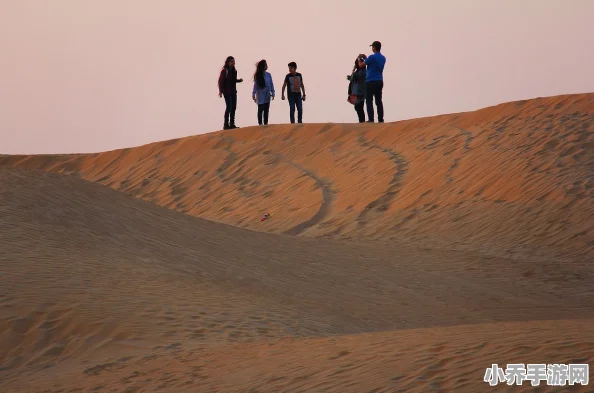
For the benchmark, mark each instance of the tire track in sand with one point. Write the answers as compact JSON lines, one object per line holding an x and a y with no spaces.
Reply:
{"x":325,"y":185}
{"x":327,"y":197}
{"x":378,"y":206}
{"x":468,"y":140}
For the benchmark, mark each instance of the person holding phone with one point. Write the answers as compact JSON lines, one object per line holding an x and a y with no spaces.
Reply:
{"x":375,"y":82}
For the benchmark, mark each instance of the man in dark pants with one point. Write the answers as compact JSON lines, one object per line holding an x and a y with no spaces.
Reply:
{"x":375,"y":82}
{"x":230,"y":108}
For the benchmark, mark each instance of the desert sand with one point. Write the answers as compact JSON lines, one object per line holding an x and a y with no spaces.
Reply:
{"x":401,"y":257}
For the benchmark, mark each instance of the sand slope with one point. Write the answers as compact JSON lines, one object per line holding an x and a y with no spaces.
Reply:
{"x":511,"y":180}
{"x":403,"y":257}
{"x":102,"y":291}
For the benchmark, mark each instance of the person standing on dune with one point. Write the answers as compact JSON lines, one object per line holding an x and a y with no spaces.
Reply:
{"x":357,"y":87}
{"x":228,"y":88}
{"x":263,"y":91}
{"x":375,"y":82}
{"x":294,"y":85}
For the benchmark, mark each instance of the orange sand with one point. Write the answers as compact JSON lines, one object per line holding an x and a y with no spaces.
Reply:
{"x":403,"y":257}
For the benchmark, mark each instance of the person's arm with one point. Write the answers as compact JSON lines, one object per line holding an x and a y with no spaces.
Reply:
{"x":271,"y":86}
{"x":302,"y":87}
{"x":221,"y":82}
{"x":254,"y":90}
{"x":370,"y":60}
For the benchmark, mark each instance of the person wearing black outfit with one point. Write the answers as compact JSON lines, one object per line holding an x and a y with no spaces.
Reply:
{"x":228,"y":88}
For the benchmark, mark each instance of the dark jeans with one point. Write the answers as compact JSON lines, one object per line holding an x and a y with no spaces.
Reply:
{"x":263,"y":110}
{"x":231,"y":106}
{"x":374,"y":89}
{"x":360,"y":111}
{"x":295,"y":100}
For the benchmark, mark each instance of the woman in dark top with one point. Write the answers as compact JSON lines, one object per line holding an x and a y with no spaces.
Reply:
{"x":357,"y":85}
{"x":227,"y":88}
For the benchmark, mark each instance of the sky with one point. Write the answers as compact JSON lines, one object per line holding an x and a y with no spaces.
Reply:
{"x":82,"y":76}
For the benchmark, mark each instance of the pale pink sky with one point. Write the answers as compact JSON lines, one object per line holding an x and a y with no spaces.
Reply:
{"x":96,"y":75}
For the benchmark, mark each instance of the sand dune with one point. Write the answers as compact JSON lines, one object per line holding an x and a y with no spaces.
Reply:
{"x":403,"y":257}
{"x":104,"y":291}
{"x":510,"y":180}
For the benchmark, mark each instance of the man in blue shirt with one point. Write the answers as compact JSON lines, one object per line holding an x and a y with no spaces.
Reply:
{"x":375,"y":82}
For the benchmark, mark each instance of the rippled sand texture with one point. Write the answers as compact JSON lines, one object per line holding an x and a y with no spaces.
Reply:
{"x":403,"y":257}
{"x":513,"y":179}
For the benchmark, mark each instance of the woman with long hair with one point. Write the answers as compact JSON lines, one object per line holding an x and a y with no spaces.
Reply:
{"x":228,"y":88}
{"x":263,"y":91}
{"x":357,"y":86}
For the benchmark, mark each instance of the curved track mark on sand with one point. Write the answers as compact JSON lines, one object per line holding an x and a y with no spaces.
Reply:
{"x":381,"y":204}
{"x":448,"y":175}
{"x":469,"y":138}
{"x":468,"y":135}
{"x":325,"y":206}
{"x":325,"y":185}
{"x":224,"y":144}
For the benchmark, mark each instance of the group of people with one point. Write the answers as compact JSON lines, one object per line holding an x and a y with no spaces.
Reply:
{"x":365,"y":85}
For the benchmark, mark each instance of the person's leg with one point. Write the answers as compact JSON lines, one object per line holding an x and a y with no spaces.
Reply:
{"x":299,"y":103}
{"x":369,"y":99}
{"x":227,"y":111}
{"x":233,"y":109}
{"x":266,"y":110}
{"x":291,"y":107}
{"x":379,"y":102}
{"x":360,"y":111}
{"x":260,"y":111}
